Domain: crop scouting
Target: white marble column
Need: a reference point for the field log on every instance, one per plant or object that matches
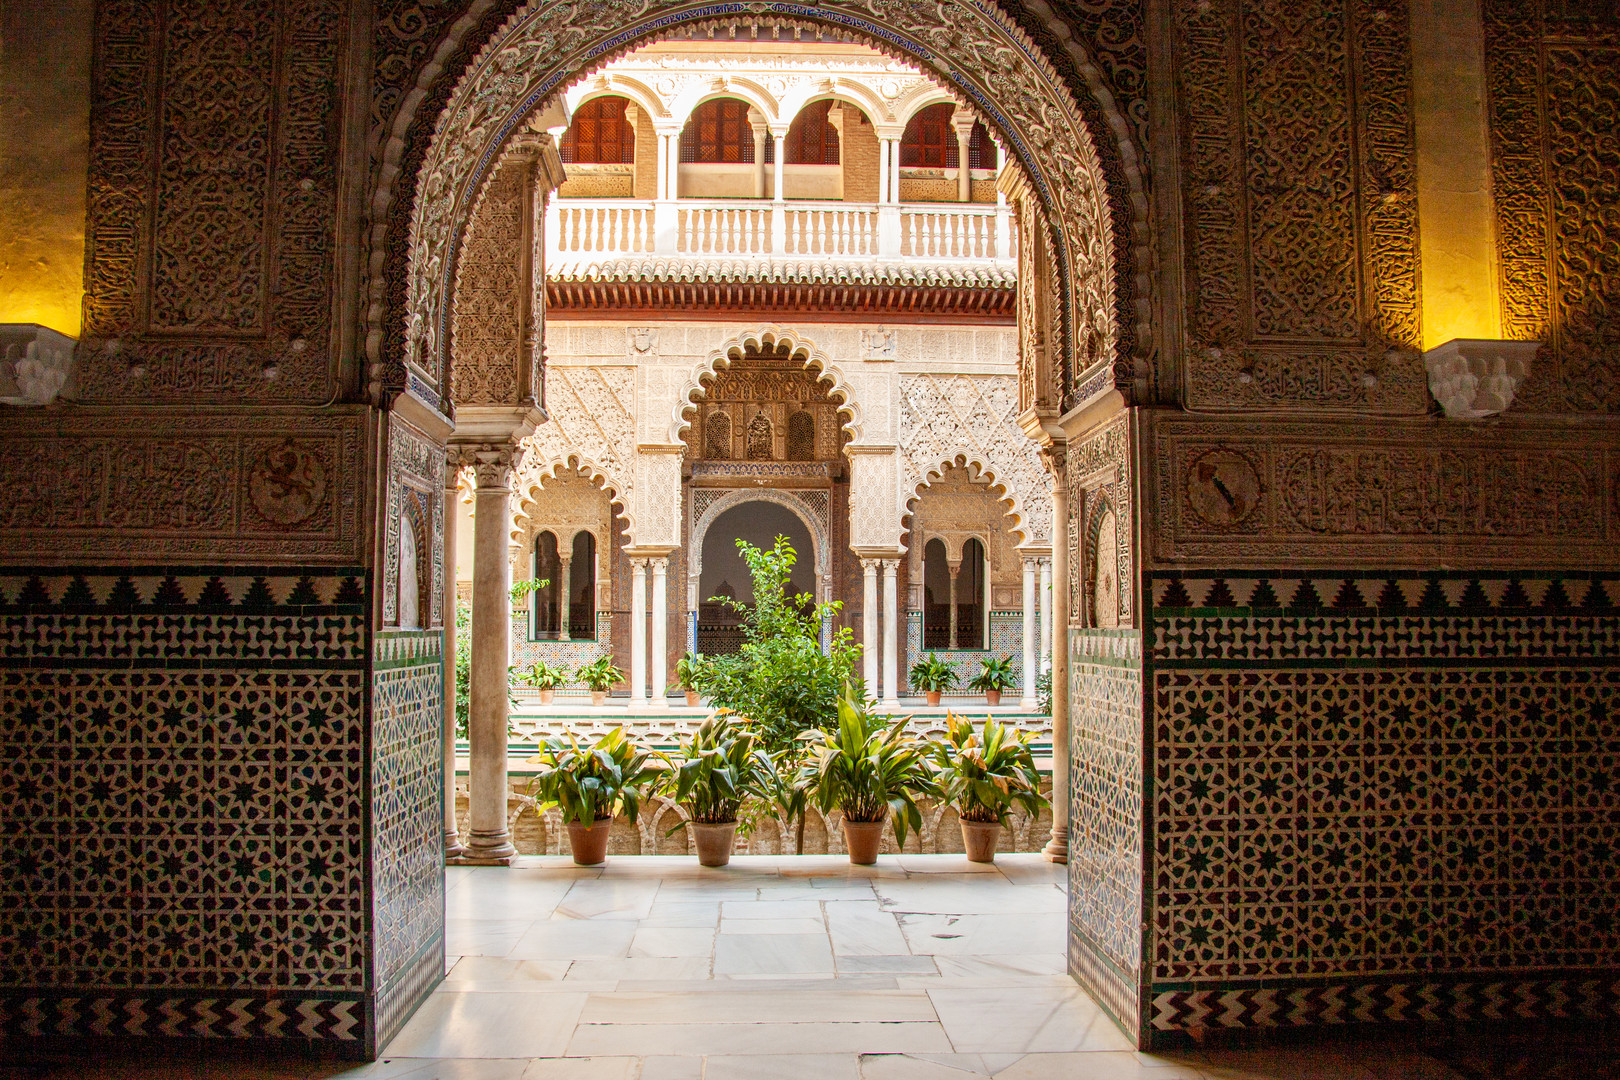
(660, 632)
(488, 838)
(452, 838)
(1057, 848)
(869, 626)
(1046, 614)
(756, 122)
(638, 632)
(565, 566)
(779, 138)
(952, 619)
(891, 632)
(963, 123)
(1031, 641)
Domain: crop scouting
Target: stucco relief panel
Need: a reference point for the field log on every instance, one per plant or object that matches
(591, 421)
(943, 417)
(415, 468)
(1102, 511)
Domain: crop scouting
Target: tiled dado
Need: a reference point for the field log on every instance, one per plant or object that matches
(1381, 797)
(183, 776)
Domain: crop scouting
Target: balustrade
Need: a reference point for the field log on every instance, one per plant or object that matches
(592, 230)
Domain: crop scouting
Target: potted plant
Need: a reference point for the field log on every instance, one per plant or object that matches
(994, 676)
(869, 770)
(720, 766)
(984, 777)
(545, 678)
(933, 677)
(689, 670)
(590, 784)
(600, 675)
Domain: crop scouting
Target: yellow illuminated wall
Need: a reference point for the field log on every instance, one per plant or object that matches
(44, 140)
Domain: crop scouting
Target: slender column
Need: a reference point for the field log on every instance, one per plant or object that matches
(894, 171)
(757, 123)
(955, 569)
(1046, 612)
(452, 838)
(869, 626)
(488, 838)
(564, 585)
(780, 140)
(660, 632)
(638, 632)
(891, 633)
(885, 147)
(1057, 849)
(1031, 652)
(963, 123)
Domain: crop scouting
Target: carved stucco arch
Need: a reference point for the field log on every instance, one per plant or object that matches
(848, 89)
(819, 538)
(631, 89)
(979, 468)
(975, 48)
(683, 105)
(764, 339)
(529, 478)
(920, 98)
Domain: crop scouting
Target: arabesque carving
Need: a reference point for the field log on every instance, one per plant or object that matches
(1099, 476)
(1301, 205)
(591, 425)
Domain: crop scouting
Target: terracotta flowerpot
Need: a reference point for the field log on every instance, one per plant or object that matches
(863, 839)
(932, 696)
(693, 699)
(599, 697)
(992, 697)
(714, 841)
(589, 842)
(547, 696)
(979, 840)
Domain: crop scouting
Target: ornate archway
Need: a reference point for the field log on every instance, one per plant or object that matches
(820, 535)
(973, 47)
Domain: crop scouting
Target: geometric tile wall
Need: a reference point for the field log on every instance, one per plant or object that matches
(184, 785)
(1006, 640)
(1105, 815)
(1381, 797)
(407, 822)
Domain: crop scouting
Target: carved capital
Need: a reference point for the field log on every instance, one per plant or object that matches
(1475, 378)
(34, 364)
(1056, 459)
(871, 566)
(492, 464)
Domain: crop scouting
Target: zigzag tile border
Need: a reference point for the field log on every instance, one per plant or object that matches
(323, 1019)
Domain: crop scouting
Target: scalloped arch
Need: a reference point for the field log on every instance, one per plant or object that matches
(528, 478)
(973, 47)
(980, 466)
(764, 338)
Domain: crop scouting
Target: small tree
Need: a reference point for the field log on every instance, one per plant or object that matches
(780, 679)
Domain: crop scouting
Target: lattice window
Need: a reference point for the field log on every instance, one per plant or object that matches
(929, 141)
(812, 139)
(601, 134)
(759, 438)
(717, 437)
(801, 437)
(718, 133)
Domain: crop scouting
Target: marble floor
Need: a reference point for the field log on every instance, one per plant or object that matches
(650, 968)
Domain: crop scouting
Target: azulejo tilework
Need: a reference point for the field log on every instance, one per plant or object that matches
(407, 807)
(1357, 774)
(1105, 814)
(182, 769)
(1006, 640)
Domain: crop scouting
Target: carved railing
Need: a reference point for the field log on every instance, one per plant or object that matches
(594, 231)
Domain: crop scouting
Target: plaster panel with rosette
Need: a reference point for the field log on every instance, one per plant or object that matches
(974, 418)
(975, 48)
(130, 486)
(1417, 494)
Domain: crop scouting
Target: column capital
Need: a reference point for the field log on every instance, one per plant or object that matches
(891, 567)
(639, 562)
(1055, 456)
(659, 563)
(871, 566)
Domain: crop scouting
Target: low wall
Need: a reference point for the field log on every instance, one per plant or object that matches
(544, 834)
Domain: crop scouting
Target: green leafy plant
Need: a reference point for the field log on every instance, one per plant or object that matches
(544, 676)
(690, 670)
(984, 777)
(716, 770)
(783, 793)
(600, 674)
(591, 784)
(869, 769)
(932, 675)
(780, 679)
(993, 675)
(1043, 691)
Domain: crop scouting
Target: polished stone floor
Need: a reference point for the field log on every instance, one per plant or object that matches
(920, 968)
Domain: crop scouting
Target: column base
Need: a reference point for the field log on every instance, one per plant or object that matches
(1057, 848)
(658, 703)
(1030, 704)
(496, 850)
(453, 847)
(481, 860)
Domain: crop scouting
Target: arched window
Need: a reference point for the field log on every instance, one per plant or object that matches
(801, 437)
(582, 589)
(544, 616)
(971, 611)
(812, 139)
(718, 133)
(759, 438)
(601, 134)
(929, 141)
(717, 437)
(936, 597)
